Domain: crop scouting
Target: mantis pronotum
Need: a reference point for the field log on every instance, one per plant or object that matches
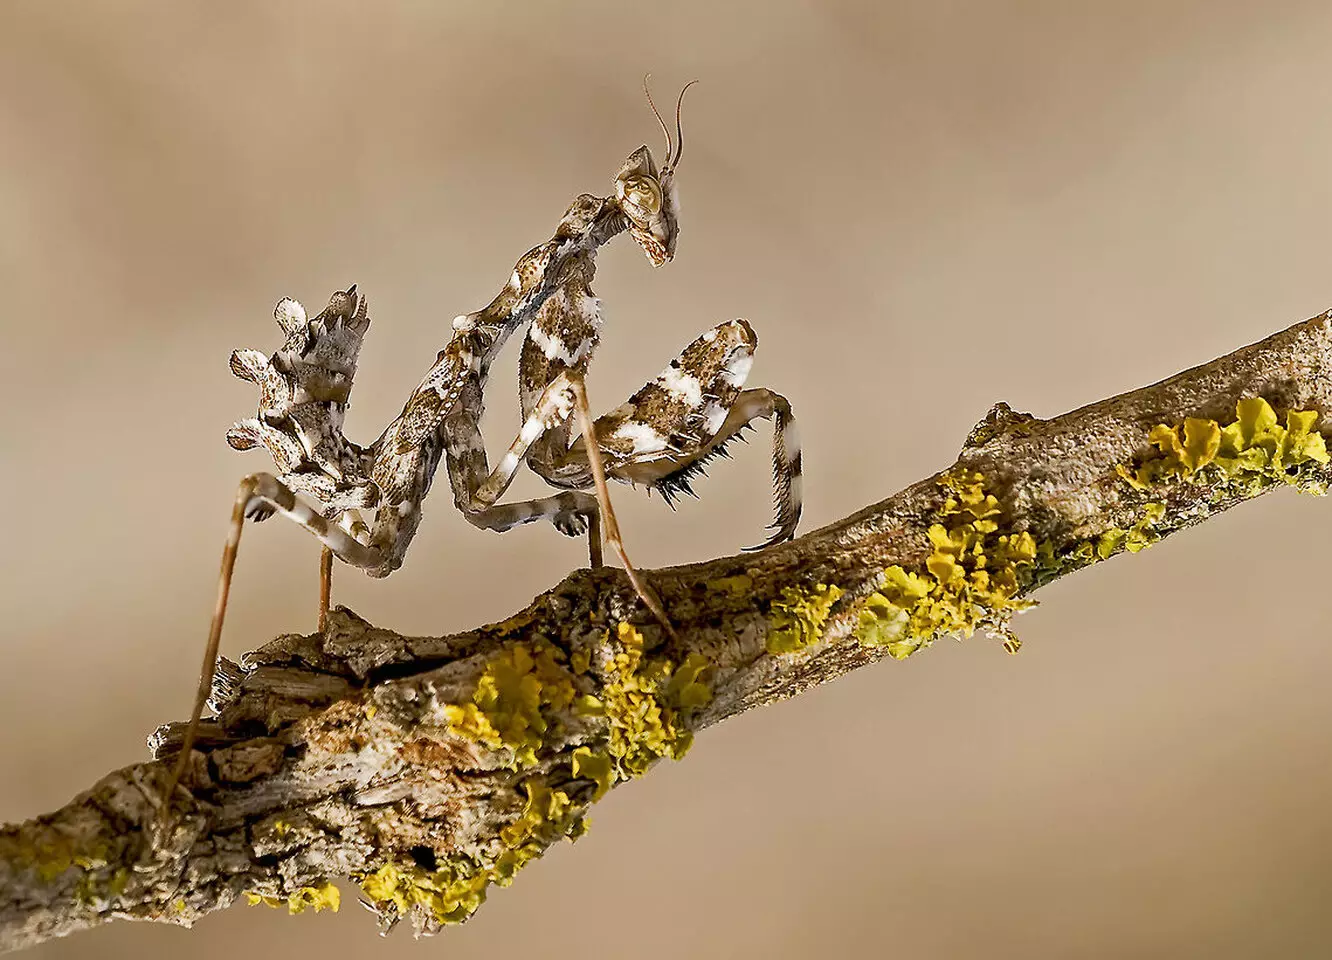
(662, 436)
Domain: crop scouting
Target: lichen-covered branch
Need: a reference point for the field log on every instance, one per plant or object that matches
(430, 769)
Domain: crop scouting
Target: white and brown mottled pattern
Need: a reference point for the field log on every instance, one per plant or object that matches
(305, 386)
(675, 422)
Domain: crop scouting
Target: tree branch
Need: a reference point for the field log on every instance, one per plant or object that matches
(429, 769)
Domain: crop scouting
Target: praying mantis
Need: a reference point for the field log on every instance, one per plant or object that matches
(662, 436)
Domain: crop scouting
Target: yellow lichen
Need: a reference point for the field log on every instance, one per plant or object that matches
(518, 692)
(797, 617)
(119, 881)
(643, 702)
(453, 892)
(1138, 537)
(638, 714)
(326, 896)
(687, 690)
(548, 816)
(1243, 457)
(515, 623)
(736, 586)
(972, 577)
(594, 766)
(973, 574)
(49, 852)
(448, 895)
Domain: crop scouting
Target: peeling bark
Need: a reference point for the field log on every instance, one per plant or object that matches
(331, 754)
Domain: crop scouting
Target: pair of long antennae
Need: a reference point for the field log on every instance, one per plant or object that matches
(677, 150)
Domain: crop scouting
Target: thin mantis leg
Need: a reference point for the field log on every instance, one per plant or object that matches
(583, 412)
(551, 409)
(325, 586)
(595, 556)
(259, 496)
(571, 512)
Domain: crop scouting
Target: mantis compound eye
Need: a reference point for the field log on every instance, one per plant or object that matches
(644, 193)
(647, 198)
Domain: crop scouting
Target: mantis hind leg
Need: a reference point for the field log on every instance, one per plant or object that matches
(325, 586)
(612, 527)
(259, 497)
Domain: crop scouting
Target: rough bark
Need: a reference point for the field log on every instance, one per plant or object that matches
(331, 754)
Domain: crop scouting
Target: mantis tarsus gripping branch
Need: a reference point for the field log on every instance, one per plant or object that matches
(661, 437)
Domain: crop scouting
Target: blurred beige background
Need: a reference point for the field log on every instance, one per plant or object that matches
(923, 208)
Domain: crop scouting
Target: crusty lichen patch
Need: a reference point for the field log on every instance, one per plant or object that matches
(50, 853)
(1052, 562)
(1244, 457)
(325, 896)
(637, 703)
(971, 578)
(1239, 459)
(645, 702)
(622, 709)
(450, 894)
(520, 694)
(453, 891)
(796, 618)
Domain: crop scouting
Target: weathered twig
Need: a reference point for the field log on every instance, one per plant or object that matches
(430, 768)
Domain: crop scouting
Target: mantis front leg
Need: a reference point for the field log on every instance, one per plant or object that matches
(567, 393)
(476, 489)
(566, 326)
(571, 309)
(566, 509)
(666, 433)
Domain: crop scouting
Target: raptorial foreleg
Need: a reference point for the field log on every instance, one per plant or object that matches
(750, 405)
(667, 431)
(475, 488)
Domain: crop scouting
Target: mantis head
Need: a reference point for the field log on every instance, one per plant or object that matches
(647, 195)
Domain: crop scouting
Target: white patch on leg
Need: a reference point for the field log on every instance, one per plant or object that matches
(797, 484)
(714, 415)
(532, 429)
(563, 402)
(508, 464)
(791, 440)
(645, 439)
(682, 386)
(304, 515)
(553, 347)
